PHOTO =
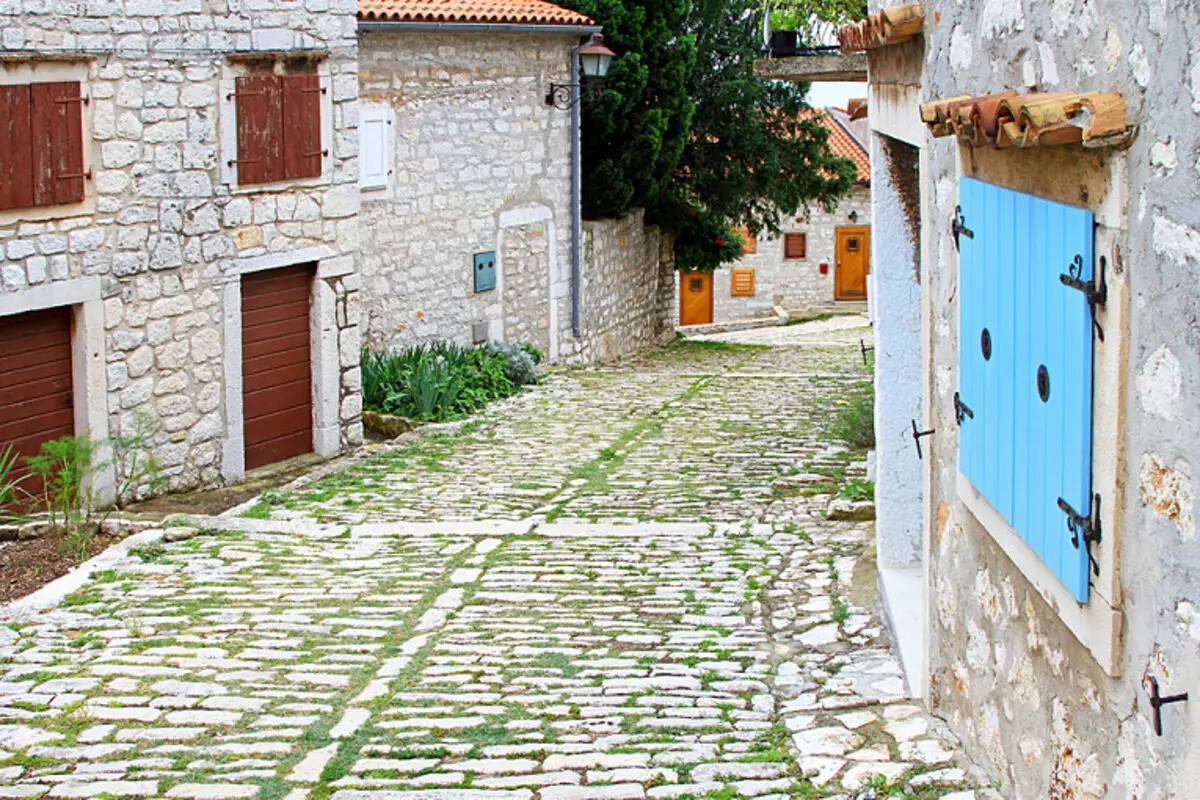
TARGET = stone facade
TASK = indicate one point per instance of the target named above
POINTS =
(1053, 697)
(628, 288)
(796, 285)
(151, 259)
(481, 165)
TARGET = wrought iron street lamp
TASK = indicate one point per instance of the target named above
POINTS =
(591, 61)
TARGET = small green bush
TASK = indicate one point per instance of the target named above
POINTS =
(443, 381)
(854, 422)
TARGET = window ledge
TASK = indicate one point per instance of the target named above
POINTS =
(1096, 624)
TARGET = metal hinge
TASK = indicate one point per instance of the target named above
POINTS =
(1087, 524)
(961, 410)
(81, 99)
(239, 161)
(87, 174)
(959, 226)
(232, 95)
(1095, 289)
(316, 153)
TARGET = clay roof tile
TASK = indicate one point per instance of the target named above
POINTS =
(1046, 119)
(498, 12)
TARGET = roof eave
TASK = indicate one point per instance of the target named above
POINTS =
(552, 29)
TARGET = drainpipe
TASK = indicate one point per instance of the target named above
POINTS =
(576, 197)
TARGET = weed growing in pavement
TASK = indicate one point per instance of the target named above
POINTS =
(854, 421)
(855, 489)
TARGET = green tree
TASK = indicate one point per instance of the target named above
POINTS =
(740, 150)
(816, 20)
(636, 128)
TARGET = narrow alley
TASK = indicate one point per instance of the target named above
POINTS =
(619, 584)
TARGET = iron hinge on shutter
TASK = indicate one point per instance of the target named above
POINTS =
(1086, 524)
(917, 435)
(961, 410)
(1095, 290)
(959, 226)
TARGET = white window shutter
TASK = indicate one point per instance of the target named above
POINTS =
(374, 150)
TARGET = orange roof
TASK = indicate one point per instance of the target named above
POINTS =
(889, 26)
(499, 12)
(844, 145)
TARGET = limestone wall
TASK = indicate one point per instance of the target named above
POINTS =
(151, 258)
(1019, 679)
(628, 298)
(481, 164)
(796, 285)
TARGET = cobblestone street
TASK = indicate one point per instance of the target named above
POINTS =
(620, 584)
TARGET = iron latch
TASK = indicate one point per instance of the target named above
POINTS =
(1087, 524)
(1095, 289)
(959, 226)
(863, 346)
(917, 434)
(961, 410)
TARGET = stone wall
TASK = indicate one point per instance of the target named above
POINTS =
(150, 257)
(481, 164)
(1022, 687)
(796, 285)
(628, 300)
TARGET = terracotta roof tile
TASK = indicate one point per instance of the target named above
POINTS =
(999, 121)
(889, 26)
(499, 12)
(843, 144)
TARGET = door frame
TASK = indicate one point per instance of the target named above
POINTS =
(89, 376)
(323, 349)
(711, 294)
(838, 234)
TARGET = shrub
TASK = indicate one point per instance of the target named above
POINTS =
(441, 381)
(522, 364)
(854, 422)
(11, 493)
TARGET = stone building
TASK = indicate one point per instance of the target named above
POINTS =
(466, 178)
(178, 217)
(819, 261)
(1053, 230)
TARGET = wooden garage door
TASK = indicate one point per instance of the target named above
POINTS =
(276, 370)
(35, 381)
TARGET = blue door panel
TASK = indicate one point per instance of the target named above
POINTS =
(1023, 452)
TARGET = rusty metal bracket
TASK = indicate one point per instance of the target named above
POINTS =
(959, 226)
(961, 410)
(917, 434)
(1095, 289)
(1088, 524)
(1157, 701)
(863, 346)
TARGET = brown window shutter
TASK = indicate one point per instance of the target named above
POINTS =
(16, 143)
(795, 245)
(741, 282)
(302, 153)
(57, 111)
(259, 130)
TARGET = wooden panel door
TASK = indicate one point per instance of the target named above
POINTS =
(695, 298)
(276, 365)
(35, 382)
(853, 263)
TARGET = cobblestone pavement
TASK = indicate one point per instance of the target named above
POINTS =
(618, 585)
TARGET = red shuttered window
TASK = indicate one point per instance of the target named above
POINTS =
(278, 128)
(41, 144)
(795, 245)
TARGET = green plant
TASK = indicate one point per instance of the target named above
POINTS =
(432, 389)
(11, 492)
(65, 466)
(854, 422)
(520, 365)
(855, 489)
(141, 470)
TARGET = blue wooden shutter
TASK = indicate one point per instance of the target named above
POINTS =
(1023, 453)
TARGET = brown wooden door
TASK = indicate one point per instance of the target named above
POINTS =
(695, 298)
(276, 365)
(853, 263)
(36, 405)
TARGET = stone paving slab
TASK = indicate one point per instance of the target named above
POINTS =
(664, 613)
